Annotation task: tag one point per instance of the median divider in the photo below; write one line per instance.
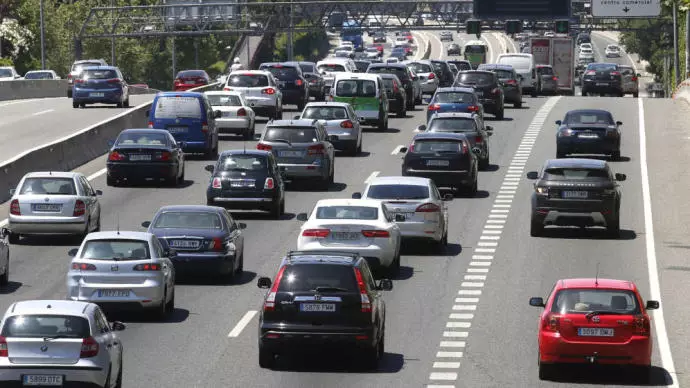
(682, 91)
(76, 149)
(34, 88)
(427, 53)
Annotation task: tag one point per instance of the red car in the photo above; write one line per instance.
(594, 321)
(190, 79)
(379, 47)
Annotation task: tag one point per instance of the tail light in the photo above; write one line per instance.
(634, 78)
(495, 91)
(216, 183)
(511, 82)
(78, 81)
(478, 139)
(612, 134)
(317, 149)
(465, 148)
(216, 245)
(89, 348)
(375, 233)
(114, 81)
(150, 124)
(591, 72)
(263, 147)
(116, 156)
(83, 267)
(396, 89)
(542, 190)
(615, 73)
(69, 76)
(320, 233)
(241, 112)
(410, 148)
(227, 89)
(147, 267)
(163, 156)
(204, 127)
(299, 82)
(14, 208)
(269, 184)
(432, 76)
(434, 107)
(555, 78)
(79, 208)
(346, 124)
(3, 347)
(551, 323)
(366, 304)
(270, 302)
(641, 325)
(473, 108)
(268, 91)
(427, 208)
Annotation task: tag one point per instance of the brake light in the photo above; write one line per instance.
(299, 82)
(227, 89)
(395, 88)
(14, 208)
(432, 76)
(204, 127)
(270, 303)
(216, 183)
(216, 245)
(410, 148)
(3, 347)
(89, 348)
(634, 79)
(551, 323)
(116, 156)
(479, 139)
(465, 148)
(317, 149)
(346, 124)
(147, 267)
(555, 78)
(641, 325)
(268, 91)
(263, 147)
(428, 208)
(79, 208)
(241, 112)
(269, 184)
(615, 73)
(511, 82)
(366, 304)
(376, 233)
(177, 81)
(114, 81)
(163, 156)
(69, 76)
(495, 91)
(320, 233)
(78, 81)
(473, 108)
(591, 72)
(434, 107)
(150, 124)
(83, 267)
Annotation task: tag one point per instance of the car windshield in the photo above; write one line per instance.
(117, 250)
(99, 74)
(248, 80)
(475, 78)
(452, 124)
(283, 72)
(6, 73)
(307, 277)
(545, 70)
(588, 118)
(45, 326)
(291, 134)
(586, 300)
(569, 174)
(398, 191)
(142, 138)
(188, 220)
(420, 67)
(78, 67)
(518, 62)
(325, 113)
(176, 107)
(347, 213)
(602, 67)
(242, 162)
(48, 186)
(355, 88)
(224, 100)
(307, 68)
(37, 75)
(332, 68)
(453, 98)
(435, 146)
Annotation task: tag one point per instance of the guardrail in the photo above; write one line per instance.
(682, 91)
(76, 149)
(35, 88)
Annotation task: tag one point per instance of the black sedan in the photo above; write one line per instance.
(145, 155)
(247, 180)
(588, 131)
(602, 79)
(206, 239)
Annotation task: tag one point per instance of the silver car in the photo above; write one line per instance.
(59, 342)
(548, 82)
(428, 79)
(340, 120)
(238, 118)
(630, 80)
(123, 269)
(53, 203)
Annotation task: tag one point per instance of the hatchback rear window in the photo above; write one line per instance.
(462, 66)
(188, 220)
(602, 67)
(46, 326)
(283, 72)
(434, 146)
(504, 74)
(454, 98)
(6, 73)
(399, 71)
(440, 66)
(347, 213)
(307, 68)
(116, 250)
(583, 301)
(355, 88)
(450, 124)
(307, 277)
(420, 67)
(292, 134)
(224, 100)
(48, 186)
(362, 66)
(191, 74)
(99, 74)
(332, 67)
(588, 118)
(248, 80)
(325, 113)
(398, 192)
(475, 78)
(243, 162)
(575, 174)
(39, 75)
(142, 138)
(173, 107)
(545, 70)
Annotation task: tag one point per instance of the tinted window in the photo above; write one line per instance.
(39, 326)
(398, 192)
(564, 174)
(602, 67)
(191, 74)
(475, 49)
(172, 107)
(475, 78)
(454, 97)
(117, 250)
(307, 68)
(224, 100)
(306, 277)
(241, 162)
(36, 75)
(142, 138)
(283, 72)
(52, 186)
(545, 70)
(399, 71)
(99, 74)
(452, 125)
(420, 67)
(248, 80)
(434, 146)
(355, 88)
(293, 135)
(188, 220)
(347, 213)
(388, 83)
(372, 50)
(517, 62)
(362, 66)
(6, 73)
(462, 66)
(332, 67)
(325, 113)
(440, 66)
(582, 301)
(589, 118)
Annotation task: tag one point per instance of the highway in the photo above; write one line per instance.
(460, 319)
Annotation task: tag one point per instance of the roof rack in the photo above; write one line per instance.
(351, 255)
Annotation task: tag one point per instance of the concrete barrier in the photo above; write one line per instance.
(427, 53)
(35, 88)
(76, 149)
(682, 91)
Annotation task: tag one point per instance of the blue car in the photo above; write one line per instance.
(100, 85)
(205, 239)
(189, 117)
(454, 99)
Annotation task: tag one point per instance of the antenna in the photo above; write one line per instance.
(596, 278)
(244, 146)
(118, 224)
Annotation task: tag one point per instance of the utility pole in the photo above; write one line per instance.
(112, 40)
(687, 46)
(676, 56)
(174, 58)
(290, 34)
(43, 38)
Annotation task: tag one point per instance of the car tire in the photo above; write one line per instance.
(359, 148)
(545, 371)
(75, 105)
(266, 358)
(616, 155)
(418, 101)
(402, 111)
(69, 94)
(534, 93)
(107, 380)
(300, 105)
(120, 104)
(14, 238)
(160, 312)
(536, 229)
(353, 151)
(635, 95)
(584, 92)
(642, 373)
(210, 202)
(442, 243)
(517, 105)
(170, 307)
(560, 154)
(614, 227)
(383, 123)
(373, 356)
(180, 180)
(240, 266)
(5, 278)
(484, 163)
(500, 114)
(110, 181)
(278, 209)
(126, 103)
(471, 190)
(118, 383)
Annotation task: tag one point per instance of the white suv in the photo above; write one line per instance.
(260, 90)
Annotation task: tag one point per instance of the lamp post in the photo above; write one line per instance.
(43, 42)
(676, 56)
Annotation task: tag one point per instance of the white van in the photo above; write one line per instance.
(366, 94)
(525, 67)
(329, 67)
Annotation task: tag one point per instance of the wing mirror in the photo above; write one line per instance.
(72, 252)
(171, 253)
(448, 197)
(263, 282)
(302, 217)
(146, 224)
(181, 144)
(652, 305)
(12, 191)
(242, 225)
(209, 168)
(99, 192)
(421, 128)
(385, 285)
(111, 143)
(619, 123)
(536, 302)
(399, 218)
(296, 117)
(403, 150)
(356, 195)
(620, 177)
(4, 232)
(117, 326)
(532, 175)
(559, 122)
(217, 114)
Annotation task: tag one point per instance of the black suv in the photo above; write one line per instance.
(397, 97)
(323, 299)
(291, 82)
(317, 85)
(575, 192)
(404, 75)
(487, 87)
(588, 131)
(603, 79)
(247, 180)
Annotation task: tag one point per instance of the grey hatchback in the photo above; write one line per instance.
(303, 149)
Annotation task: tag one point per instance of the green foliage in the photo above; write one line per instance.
(6, 62)
(308, 46)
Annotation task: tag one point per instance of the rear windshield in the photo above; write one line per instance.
(191, 73)
(325, 113)
(39, 75)
(434, 146)
(398, 192)
(567, 174)
(78, 67)
(306, 277)
(172, 107)
(347, 213)
(188, 220)
(283, 72)
(224, 100)
(142, 138)
(462, 66)
(243, 162)
(99, 74)
(602, 67)
(362, 66)
(116, 250)
(388, 83)
(50, 186)
(583, 301)
(307, 68)
(455, 124)
(420, 67)
(355, 88)
(399, 71)
(475, 78)
(293, 134)
(248, 80)
(42, 326)
(454, 97)
(440, 66)
(545, 70)
(332, 67)
(588, 118)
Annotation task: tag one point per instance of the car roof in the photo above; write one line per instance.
(333, 61)
(293, 123)
(396, 65)
(250, 72)
(333, 257)
(575, 163)
(596, 283)
(460, 115)
(348, 202)
(245, 152)
(455, 89)
(101, 67)
(53, 174)
(476, 71)
(118, 235)
(327, 103)
(281, 64)
(57, 307)
(364, 76)
(494, 66)
(145, 130)
(402, 180)
(191, 208)
(79, 62)
(388, 75)
(439, 135)
(180, 94)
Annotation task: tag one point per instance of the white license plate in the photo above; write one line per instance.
(184, 244)
(47, 207)
(96, 94)
(113, 293)
(442, 163)
(345, 235)
(177, 129)
(43, 380)
(602, 84)
(406, 215)
(574, 194)
(594, 332)
(318, 307)
(228, 114)
(242, 184)
(136, 158)
(290, 154)
(588, 136)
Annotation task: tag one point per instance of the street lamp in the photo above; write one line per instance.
(43, 42)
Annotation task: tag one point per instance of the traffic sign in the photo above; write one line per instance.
(523, 10)
(626, 8)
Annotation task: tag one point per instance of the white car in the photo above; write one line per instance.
(8, 73)
(353, 225)
(587, 46)
(260, 90)
(401, 40)
(238, 118)
(392, 60)
(340, 120)
(41, 74)
(372, 53)
(586, 54)
(613, 51)
(416, 203)
(130, 269)
(59, 342)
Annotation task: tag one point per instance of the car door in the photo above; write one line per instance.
(109, 341)
(375, 296)
(383, 96)
(235, 234)
(438, 199)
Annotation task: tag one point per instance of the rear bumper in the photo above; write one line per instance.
(184, 87)
(591, 86)
(376, 256)
(140, 171)
(304, 170)
(429, 86)
(582, 146)
(442, 178)
(262, 105)
(237, 125)
(555, 349)
(244, 201)
(46, 225)
(109, 96)
(207, 262)
(141, 295)
(337, 337)
(575, 213)
(80, 376)
(512, 95)
(293, 96)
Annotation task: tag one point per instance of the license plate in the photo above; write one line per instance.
(574, 194)
(43, 380)
(96, 94)
(594, 332)
(406, 215)
(46, 207)
(113, 293)
(184, 244)
(443, 163)
(242, 184)
(228, 114)
(189, 82)
(290, 154)
(588, 136)
(136, 158)
(602, 84)
(345, 235)
(318, 307)
(177, 129)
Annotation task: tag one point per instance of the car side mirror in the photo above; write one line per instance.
(403, 149)
(356, 195)
(171, 253)
(302, 217)
(638, 75)
(489, 128)
(333, 138)
(532, 175)
(619, 123)
(242, 225)
(4, 232)
(217, 114)
(652, 305)
(620, 177)
(296, 117)
(181, 144)
(559, 122)
(421, 128)
(448, 197)
(209, 168)
(117, 326)
(98, 192)
(263, 282)
(536, 302)
(399, 218)
(477, 150)
(72, 252)
(146, 224)
(385, 285)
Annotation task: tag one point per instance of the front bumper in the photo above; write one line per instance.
(46, 225)
(555, 349)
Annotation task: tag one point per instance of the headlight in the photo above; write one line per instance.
(542, 190)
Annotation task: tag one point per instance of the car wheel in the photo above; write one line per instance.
(110, 181)
(98, 224)
(635, 94)
(359, 148)
(160, 312)
(118, 383)
(517, 105)
(500, 114)
(240, 267)
(614, 227)
(534, 92)
(69, 94)
(584, 92)
(126, 103)
(560, 154)
(373, 356)
(418, 101)
(171, 304)
(5, 278)
(642, 373)
(14, 238)
(394, 268)
(401, 111)
(484, 163)
(266, 358)
(107, 380)
(616, 155)
(442, 243)
(181, 178)
(545, 371)
(536, 229)
(278, 209)
(75, 105)
(471, 190)
(120, 104)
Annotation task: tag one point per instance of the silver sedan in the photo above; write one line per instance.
(340, 120)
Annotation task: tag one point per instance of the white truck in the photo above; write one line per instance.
(559, 53)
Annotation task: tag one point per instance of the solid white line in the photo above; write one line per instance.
(470, 292)
(655, 289)
(460, 307)
(443, 376)
(448, 354)
(452, 344)
(372, 176)
(43, 112)
(396, 150)
(456, 334)
(242, 323)
(446, 365)
(466, 316)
